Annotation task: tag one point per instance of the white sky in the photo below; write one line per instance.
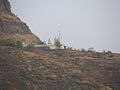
(83, 23)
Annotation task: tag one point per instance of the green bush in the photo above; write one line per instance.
(10, 42)
(18, 44)
(30, 46)
(40, 42)
(7, 42)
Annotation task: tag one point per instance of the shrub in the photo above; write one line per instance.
(10, 42)
(30, 46)
(40, 42)
(18, 44)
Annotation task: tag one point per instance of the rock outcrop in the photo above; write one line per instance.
(12, 27)
(5, 6)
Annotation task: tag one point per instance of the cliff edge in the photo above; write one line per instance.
(11, 27)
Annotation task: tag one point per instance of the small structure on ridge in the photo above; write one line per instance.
(57, 44)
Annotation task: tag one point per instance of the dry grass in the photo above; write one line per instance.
(9, 16)
(53, 72)
(30, 54)
(26, 38)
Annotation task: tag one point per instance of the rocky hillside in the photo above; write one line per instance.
(5, 6)
(12, 27)
(39, 69)
(32, 68)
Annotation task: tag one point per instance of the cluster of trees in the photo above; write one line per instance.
(11, 42)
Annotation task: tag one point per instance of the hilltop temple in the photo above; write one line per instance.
(57, 44)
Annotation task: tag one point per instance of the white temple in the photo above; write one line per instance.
(57, 44)
(50, 44)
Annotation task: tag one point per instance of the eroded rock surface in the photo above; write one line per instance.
(12, 27)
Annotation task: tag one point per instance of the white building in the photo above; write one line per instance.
(50, 44)
(57, 44)
(24, 45)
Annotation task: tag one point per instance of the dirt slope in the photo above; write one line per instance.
(38, 69)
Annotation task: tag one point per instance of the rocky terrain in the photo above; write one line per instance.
(32, 68)
(39, 69)
(11, 27)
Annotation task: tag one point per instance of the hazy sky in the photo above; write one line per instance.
(82, 23)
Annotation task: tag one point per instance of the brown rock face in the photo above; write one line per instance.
(5, 6)
(12, 27)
